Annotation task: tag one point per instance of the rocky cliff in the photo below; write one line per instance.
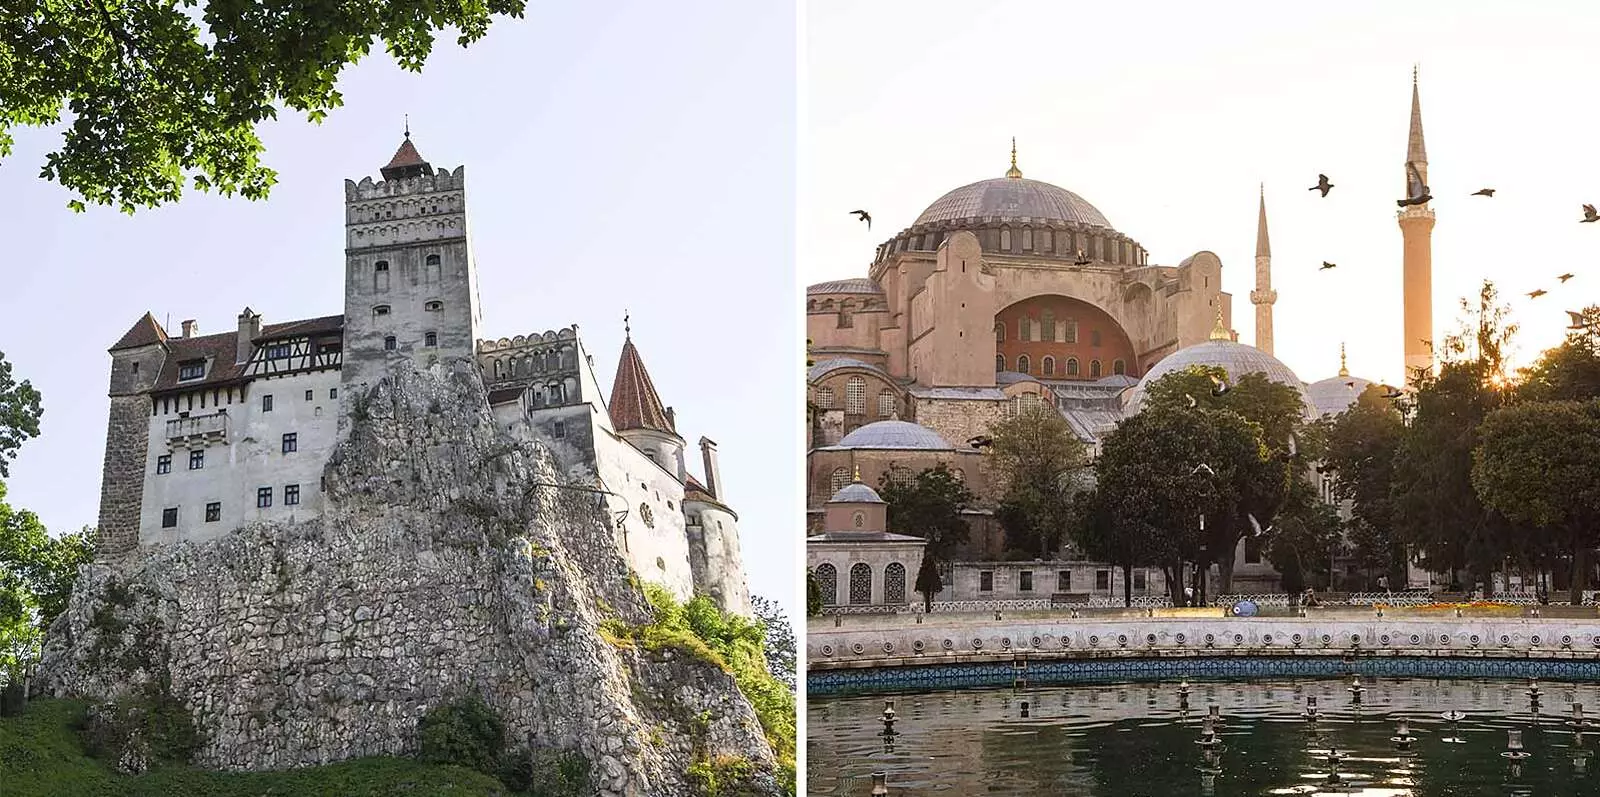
(448, 562)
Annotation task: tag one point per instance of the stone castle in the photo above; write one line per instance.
(208, 433)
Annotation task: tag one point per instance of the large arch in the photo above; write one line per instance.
(1062, 328)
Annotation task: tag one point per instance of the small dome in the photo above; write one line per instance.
(854, 285)
(1237, 359)
(1013, 198)
(856, 493)
(895, 434)
(1335, 394)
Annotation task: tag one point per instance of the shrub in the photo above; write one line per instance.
(546, 773)
(146, 727)
(466, 733)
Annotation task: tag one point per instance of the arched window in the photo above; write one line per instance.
(1072, 366)
(894, 583)
(380, 276)
(430, 269)
(1027, 239)
(1024, 328)
(886, 404)
(841, 477)
(1005, 239)
(999, 332)
(855, 396)
(860, 583)
(825, 398)
(1119, 367)
(828, 583)
(499, 369)
(1094, 369)
(999, 363)
(380, 310)
(558, 393)
(1047, 325)
(1048, 366)
(1047, 241)
(1022, 363)
(430, 339)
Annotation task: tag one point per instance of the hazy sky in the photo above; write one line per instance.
(619, 155)
(1166, 116)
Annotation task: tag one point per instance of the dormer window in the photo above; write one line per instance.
(278, 351)
(191, 369)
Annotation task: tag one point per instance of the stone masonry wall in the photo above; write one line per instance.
(438, 569)
(122, 475)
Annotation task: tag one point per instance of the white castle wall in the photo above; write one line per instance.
(251, 457)
(659, 553)
(714, 556)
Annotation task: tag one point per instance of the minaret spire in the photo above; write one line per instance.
(1263, 297)
(1416, 148)
(1416, 231)
(1013, 172)
(1344, 367)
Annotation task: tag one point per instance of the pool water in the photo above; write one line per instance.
(1122, 740)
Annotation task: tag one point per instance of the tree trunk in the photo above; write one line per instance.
(1580, 574)
(1174, 577)
(1127, 585)
(1225, 569)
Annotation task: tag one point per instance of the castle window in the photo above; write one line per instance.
(333, 392)
(266, 403)
(193, 369)
(558, 430)
(886, 403)
(169, 517)
(1094, 337)
(999, 363)
(380, 276)
(291, 443)
(825, 398)
(263, 497)
(136, 367)
(1119, 367)
(163, 464)
(999, 332)
(278, 351)
(380, 311)
(430, 339)
(855, 396)
(1094, 369)
(213, 511)
(388, 343)
(291, 495)
(197, 459)
(1023, 364)
(311, 395)
(433, 307)
(328, 348)
(1048, 366)
(1072, 366)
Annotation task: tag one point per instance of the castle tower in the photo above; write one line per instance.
(1416, 231)
(1263, 296)
(410, 287)
(637, 414)
(136, 362)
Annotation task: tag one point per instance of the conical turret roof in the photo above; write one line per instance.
(634, 402)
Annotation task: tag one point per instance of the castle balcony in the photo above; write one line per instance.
(198, 430)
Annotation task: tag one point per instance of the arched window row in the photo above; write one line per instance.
(402, 208)
(515, 366)
(859, 586)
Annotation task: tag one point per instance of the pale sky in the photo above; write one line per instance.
(1166, 116)
(626, 155)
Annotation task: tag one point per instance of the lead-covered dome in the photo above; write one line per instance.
(856, 493)
(1237, 359)
(895, 434)
(1335, 394)
(1013, 198)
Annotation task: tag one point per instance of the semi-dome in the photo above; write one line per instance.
(1237, 359)
(854, 285)
(1335, 394)
(856, 493)
(1013, 198)
(895, 434)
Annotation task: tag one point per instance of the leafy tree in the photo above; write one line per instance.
(1037, 458)
(1099, 533)
(1570, 371)
(930, 507)
(813, 595)
(36, 576)
(20, 409)
(781, 647)
(1360, 455)
(929, 581)
(1539, 464)
(1304, 535)
(159, 93)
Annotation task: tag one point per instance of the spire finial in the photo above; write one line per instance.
(627, 330)
(408, 125)
(1414, 68)
(1344, 370)
(1220, 331)
(1013, 172)
(857, 476)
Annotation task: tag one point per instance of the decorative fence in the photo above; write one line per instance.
(1406, 598)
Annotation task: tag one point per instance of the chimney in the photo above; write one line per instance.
(189, 328)
(672, 419)
(249, 328)
(708, 455)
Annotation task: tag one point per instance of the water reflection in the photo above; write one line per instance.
(1139, 739)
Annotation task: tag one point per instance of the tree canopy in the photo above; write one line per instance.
(36, 576)
(1037, 457)
(20, 411)
(163, 94)
(929, 506)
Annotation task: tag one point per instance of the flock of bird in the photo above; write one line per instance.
(1417, 193)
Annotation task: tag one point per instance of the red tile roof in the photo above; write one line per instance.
(634, 403)
(144, 332)
(219, 351)
(407, 162)
(327, 324)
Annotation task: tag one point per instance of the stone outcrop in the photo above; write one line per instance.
(445, 564)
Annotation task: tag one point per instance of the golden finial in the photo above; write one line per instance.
(1343, 370)
(1220, 331)
(857, 477)
(1013, 172)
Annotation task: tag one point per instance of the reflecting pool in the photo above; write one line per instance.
(1130, 739)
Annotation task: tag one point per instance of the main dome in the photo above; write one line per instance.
(1237, 359)
(1013, 198)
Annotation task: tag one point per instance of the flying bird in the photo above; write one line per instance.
(981, 441)
(864, 216)
(1578, 321)
(1416, 190)
(1326, 265)
(1350, 384)
(1083, 260)
(1489, 192)
(1565, 277)
(1255, 525)
(1391, 393)
(1322, 185)
(1203, 468)
(1192, 403)
(1590, 214)
(1218, 385)
(1534, 294)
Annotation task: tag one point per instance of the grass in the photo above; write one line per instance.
(42, 755)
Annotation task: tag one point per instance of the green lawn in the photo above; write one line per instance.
(40, 754)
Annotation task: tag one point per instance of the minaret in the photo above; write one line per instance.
(1416, 231)
(1263, 296)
